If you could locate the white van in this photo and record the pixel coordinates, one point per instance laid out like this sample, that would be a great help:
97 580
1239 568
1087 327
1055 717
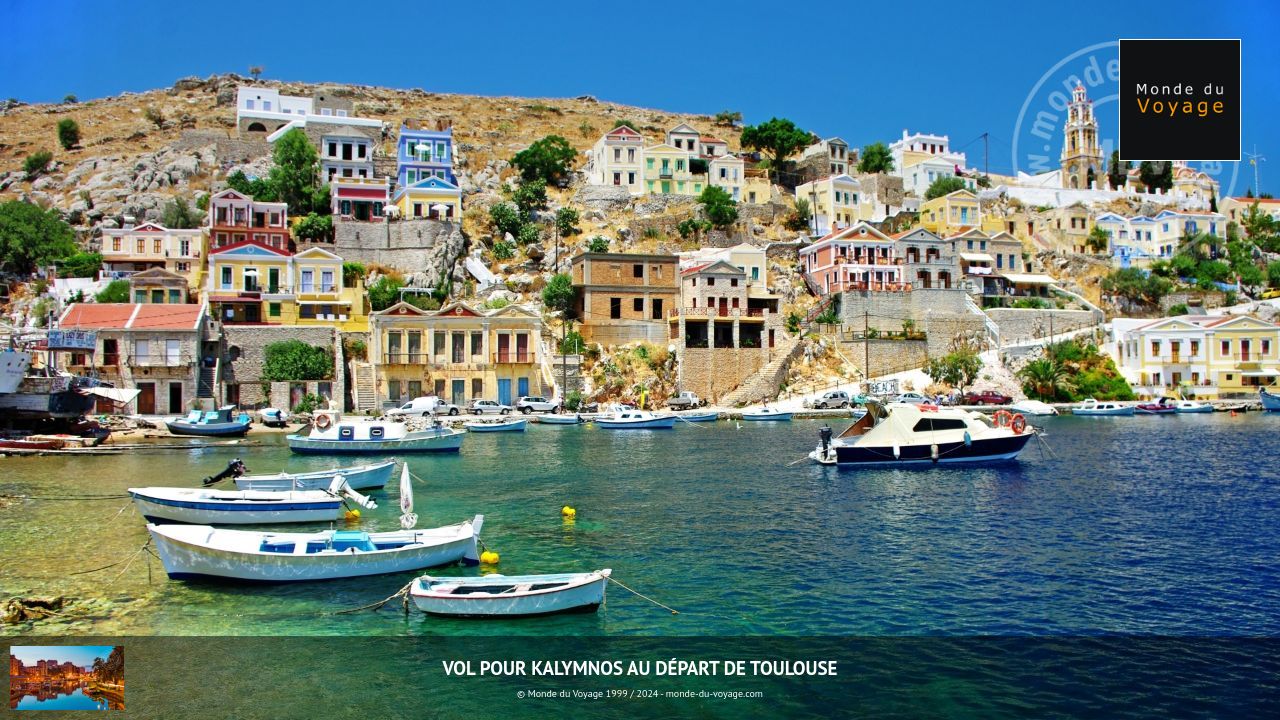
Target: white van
424 407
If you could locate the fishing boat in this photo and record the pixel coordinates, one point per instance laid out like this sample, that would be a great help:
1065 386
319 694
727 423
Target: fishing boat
359 477
213 423
274 417
1192 406
1163 406
700 416
909 434
204 506
767 413
330 434
510 595
199 551
28 443
1034 407
1270 401
561 419
487 426
1091 407
630 419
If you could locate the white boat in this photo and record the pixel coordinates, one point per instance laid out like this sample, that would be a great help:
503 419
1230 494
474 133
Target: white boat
909 434
510 595
767 413
1192 406
330 434
204 506
553 419
1091 407
199 551
700 416
359 477
622 418
483 426
1033 407
273 417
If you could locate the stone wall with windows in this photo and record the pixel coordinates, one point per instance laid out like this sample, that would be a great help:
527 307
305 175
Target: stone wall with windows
245 355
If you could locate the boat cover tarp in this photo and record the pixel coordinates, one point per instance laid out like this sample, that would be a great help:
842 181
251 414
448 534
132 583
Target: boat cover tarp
120 395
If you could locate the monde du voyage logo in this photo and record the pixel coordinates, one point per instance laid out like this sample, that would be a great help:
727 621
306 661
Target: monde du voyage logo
1180 99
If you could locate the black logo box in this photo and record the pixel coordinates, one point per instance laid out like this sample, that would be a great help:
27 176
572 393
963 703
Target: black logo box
1187 68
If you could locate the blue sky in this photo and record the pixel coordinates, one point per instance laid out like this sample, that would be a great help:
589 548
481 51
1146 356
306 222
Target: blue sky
82 655
863 72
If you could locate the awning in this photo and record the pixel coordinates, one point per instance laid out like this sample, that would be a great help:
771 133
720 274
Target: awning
119 395
976 257
1029 278
439 207
324 302
1261 373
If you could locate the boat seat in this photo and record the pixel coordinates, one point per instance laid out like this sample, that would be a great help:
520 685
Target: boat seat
445 588
526 587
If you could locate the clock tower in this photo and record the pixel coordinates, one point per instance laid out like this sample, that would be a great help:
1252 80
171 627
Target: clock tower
1082 162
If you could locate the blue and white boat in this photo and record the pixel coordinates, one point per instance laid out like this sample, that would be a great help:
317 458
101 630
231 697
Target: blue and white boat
1183 407
1091 407
553 419
629 419
700 416
767 413
484 426
202 552
497 595
222 422
331 435
1270 401
205 506
359 477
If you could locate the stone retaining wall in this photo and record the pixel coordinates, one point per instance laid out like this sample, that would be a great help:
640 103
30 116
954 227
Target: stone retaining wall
245 356
1018 324
713 372
886 356
430 246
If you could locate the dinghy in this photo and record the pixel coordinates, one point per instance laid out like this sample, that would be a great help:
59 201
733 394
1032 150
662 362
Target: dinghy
484 426
767 413
510 595
561 419
636 420
203 506
1033 407
214 423
1192 406
359 477
700 416
199 551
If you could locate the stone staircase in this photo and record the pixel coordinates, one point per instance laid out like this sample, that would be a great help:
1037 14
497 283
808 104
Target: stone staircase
365 393
208 382
763 385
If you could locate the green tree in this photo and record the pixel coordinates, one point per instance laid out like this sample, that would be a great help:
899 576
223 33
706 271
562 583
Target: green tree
778 138
942 186
586 129
567 222
255 71
502 250
1176 310
36 163
728 118
1261 229
958 368
80 265
1117 171
598 244
68 133
1156 175
314 228
289 360
547 159
875 158
202 202
1098 239
384 292
719 206
116 291
506 218
558 294
31 237
626 123
259 189
294 175
799 218
692 228
1046 379
1136 285
352 273
1273 273
529 196
70 99
154 115
179 215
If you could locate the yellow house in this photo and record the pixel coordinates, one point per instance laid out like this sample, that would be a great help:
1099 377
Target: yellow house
433 197
1201 355
667 172
951 214
458 353
833 203
319 296
253 283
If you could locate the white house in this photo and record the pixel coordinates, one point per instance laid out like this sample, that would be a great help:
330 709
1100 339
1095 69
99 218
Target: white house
617 158
918 177
727 171
914 147
834 150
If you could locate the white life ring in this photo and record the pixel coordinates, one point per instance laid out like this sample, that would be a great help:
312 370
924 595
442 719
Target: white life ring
322 421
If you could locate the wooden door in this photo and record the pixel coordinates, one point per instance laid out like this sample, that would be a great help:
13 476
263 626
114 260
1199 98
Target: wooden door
147 399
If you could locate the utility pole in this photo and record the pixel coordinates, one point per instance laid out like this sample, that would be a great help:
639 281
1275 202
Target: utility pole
866 344
1254 159
986 155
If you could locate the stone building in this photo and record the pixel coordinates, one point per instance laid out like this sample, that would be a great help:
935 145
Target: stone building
622 297
158 285
1082 162
244 356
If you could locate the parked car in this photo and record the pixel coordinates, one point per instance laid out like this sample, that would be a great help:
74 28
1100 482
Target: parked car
914 398
529 404
685 400
833 399
483 407
425 406
1271 294
985 397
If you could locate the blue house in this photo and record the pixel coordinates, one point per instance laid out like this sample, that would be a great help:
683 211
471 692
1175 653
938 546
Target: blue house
423 154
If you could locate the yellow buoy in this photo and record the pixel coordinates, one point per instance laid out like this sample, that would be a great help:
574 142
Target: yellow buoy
489 557
568 512
352 515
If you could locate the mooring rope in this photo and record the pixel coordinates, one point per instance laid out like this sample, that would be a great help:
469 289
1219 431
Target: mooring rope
690 422
118 562
646 597
402 592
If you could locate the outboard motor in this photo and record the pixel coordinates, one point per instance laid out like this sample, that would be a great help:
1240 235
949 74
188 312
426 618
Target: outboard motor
234 469
824 436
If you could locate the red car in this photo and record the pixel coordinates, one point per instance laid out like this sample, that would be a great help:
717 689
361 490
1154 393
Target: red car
986 397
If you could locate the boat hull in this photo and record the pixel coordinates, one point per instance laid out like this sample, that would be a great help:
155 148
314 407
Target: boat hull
1164 410
216 512
777 417
988 450
363 477
700 417
1112 412
1270 401
561 420
512 426
234 429
302 445
184 560
662 423
584 598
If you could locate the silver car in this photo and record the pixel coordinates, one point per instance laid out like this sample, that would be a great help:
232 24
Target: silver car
486 407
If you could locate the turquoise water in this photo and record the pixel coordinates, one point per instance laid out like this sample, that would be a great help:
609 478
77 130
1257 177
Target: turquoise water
1144 525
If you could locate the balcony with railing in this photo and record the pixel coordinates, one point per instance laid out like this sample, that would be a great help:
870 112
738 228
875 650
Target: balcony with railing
718 312
404 358
1249 359
162 358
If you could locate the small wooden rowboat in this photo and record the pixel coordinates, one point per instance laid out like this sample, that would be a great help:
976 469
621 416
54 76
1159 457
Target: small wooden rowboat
203 506
510 595
561 419
199 551
700 416
767 413
481 426
359 477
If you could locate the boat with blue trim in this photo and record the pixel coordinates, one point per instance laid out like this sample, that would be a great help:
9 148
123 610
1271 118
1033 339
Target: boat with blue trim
360 477
222 422
497 595
699 416
766 413
1094 408
910 434
205 506
489 426
1270 401
630 419
331 435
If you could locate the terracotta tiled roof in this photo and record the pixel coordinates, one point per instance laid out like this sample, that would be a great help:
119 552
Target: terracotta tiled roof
131 316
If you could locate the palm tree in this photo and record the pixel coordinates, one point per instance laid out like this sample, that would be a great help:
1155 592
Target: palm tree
1045 379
